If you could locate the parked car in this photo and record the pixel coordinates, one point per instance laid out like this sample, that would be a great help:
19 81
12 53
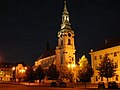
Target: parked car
101 85
112 85
58 84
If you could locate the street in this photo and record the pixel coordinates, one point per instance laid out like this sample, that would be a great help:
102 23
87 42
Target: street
24 87
27 87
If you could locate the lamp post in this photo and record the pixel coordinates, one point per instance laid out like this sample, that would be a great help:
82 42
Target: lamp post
14 73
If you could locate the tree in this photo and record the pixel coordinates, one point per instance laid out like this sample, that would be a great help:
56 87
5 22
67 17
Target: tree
106 67
52 72
85 74
40 74
66 73
83 62
30 74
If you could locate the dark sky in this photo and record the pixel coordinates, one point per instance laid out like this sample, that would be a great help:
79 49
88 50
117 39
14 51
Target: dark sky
27 25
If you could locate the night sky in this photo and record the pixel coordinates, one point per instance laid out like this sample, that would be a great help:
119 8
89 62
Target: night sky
27 25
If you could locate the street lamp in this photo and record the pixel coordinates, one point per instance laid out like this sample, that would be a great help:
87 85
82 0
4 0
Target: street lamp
13 68
14 73
25 68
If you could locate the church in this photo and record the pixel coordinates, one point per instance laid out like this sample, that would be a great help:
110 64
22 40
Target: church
64 53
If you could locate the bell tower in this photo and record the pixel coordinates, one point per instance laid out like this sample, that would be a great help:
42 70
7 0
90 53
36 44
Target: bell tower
65 51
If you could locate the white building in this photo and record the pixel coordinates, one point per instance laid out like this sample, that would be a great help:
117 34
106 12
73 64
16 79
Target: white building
6 72
112 48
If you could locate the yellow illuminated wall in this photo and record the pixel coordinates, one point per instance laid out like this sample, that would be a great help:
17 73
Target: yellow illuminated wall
45 62
96 57
6 74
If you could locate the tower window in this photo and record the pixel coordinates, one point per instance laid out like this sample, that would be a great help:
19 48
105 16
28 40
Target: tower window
61 42
61 35
115 54
63 18
101 78
95 57
69 34
117 77
69 42
72 59
96 78
61 60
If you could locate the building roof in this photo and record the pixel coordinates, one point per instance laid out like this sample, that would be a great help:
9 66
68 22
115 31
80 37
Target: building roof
47 53
6 65
109 43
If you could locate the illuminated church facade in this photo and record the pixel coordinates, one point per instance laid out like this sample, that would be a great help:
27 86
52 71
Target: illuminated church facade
64 53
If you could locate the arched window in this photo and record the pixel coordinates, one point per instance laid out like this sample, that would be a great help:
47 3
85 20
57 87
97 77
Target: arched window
63 18
61 42
69 34
69 42
61 60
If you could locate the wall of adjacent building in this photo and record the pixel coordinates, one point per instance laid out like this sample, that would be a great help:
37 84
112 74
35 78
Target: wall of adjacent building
96 57
6 74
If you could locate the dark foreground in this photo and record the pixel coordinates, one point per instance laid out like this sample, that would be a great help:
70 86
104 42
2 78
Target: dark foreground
21 87
26 87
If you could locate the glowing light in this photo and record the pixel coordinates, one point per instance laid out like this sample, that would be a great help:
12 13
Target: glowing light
22 70
1 72
71 65
13 68
25 68
68 65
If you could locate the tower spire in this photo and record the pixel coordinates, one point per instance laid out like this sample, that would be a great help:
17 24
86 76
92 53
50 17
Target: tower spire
65 17
65 8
